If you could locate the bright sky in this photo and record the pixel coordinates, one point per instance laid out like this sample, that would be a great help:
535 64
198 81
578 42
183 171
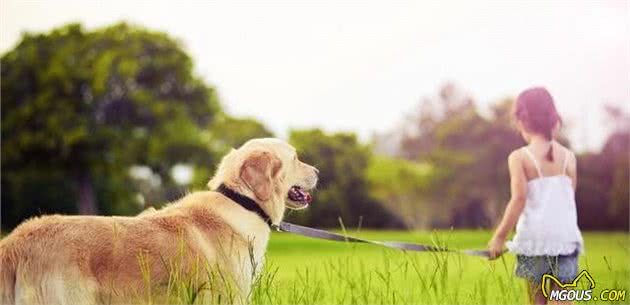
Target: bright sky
361 66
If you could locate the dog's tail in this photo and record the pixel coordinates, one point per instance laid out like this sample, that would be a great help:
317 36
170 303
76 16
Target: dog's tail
8 267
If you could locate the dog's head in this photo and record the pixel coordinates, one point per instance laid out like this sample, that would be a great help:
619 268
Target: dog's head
268 170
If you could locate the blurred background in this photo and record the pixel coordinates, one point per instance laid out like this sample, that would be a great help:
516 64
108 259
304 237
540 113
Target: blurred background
112 107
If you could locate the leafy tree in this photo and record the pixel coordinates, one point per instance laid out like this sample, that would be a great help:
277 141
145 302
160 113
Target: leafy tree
80 107
401 187
418 134
468 154
230 132
603 185
342 190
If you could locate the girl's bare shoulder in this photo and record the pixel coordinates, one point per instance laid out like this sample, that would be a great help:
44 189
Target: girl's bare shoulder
563 147
518 153
564 151
517 156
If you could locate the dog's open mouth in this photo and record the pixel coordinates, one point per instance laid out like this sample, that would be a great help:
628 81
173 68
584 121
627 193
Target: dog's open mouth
299 197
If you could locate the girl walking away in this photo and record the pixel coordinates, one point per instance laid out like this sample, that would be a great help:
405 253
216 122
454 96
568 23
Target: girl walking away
542 206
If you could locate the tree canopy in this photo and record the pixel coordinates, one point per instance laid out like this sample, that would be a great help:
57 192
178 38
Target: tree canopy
80 107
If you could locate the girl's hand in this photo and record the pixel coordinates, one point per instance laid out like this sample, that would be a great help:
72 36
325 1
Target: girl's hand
495 248
518 189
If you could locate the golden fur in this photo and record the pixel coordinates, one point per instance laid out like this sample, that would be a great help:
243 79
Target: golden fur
95 259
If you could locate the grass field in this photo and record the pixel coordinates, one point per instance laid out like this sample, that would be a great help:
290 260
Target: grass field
301 270
307 271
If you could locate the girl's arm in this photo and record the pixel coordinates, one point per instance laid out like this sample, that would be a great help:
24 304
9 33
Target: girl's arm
518 188
572 170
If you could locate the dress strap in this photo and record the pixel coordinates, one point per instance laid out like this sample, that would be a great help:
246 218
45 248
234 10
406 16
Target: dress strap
531 156
566 161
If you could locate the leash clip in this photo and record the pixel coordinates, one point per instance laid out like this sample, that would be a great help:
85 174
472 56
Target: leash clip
275 227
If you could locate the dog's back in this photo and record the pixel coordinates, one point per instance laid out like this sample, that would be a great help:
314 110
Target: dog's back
33 264
11 252
8 266
9 259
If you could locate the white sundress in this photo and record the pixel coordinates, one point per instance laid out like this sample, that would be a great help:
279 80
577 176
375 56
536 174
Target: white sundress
548 224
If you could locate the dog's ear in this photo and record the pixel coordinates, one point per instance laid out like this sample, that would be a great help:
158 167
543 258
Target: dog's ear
259 171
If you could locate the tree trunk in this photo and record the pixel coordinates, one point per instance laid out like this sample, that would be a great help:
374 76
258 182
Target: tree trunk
87 200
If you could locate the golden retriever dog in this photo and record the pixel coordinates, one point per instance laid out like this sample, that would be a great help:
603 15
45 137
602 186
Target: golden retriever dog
210 242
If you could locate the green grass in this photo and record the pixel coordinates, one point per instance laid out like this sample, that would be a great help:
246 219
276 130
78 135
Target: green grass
301 270
307 271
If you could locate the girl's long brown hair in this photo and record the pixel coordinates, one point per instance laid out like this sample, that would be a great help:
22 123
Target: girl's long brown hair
535 109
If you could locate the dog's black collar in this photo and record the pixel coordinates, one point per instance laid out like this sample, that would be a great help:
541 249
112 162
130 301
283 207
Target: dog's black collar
246 202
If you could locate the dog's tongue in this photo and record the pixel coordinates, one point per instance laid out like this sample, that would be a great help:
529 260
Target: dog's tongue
298 194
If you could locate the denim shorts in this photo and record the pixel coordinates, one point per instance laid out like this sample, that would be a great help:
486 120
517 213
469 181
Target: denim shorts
532 268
